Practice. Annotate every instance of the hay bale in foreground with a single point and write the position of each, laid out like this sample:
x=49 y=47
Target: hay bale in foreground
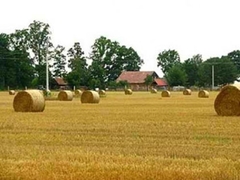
x=187 y=92
x=65 y=95
x=153 y=91
x=77 y=93
x=166 y=93
x=90 y=97
x=102 y=93
x=227 y=102
x=11 y=92
x=29 y=101
x=203 y=94
x=128 y=91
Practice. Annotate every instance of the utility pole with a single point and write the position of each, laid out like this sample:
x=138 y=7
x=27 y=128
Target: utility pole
x=47 y=73
x=212 y=77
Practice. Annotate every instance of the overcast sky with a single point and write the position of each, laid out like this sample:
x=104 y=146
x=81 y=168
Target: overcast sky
x=207 y=27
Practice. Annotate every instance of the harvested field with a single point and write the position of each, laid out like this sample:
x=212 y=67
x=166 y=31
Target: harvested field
x=142 y=136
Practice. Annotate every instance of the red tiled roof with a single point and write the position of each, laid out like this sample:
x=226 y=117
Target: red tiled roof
x=134 y=76
x=160 y=82
x=60 y=81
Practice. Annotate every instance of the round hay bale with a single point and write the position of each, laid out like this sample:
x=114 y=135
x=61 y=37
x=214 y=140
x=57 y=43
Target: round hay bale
x=11 y=92
x=90 y=97
x=166 y=93
x=102 y=93
x=154 y=91
x=187 y=92
x=203 y=94
x=29 y=101
x=128 y=91
x=77 y=93
x=65 y=95
x=227 y=102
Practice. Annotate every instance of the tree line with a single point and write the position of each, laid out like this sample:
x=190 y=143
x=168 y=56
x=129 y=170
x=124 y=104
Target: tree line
x=24 y=54
x=196 y=72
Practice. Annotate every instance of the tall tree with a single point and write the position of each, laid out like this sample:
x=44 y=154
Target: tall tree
x=109 y=59
x=23 y=64
x=59 y=62
x=102 y=55
x=191 y=67
x=224 y=71
x=167 y=59
x=78 y=64
x=39 y=41
x=5 y=55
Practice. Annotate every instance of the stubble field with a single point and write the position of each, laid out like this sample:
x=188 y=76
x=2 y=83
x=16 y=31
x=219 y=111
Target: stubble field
x=139 y=136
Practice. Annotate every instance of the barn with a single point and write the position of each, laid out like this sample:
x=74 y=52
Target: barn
x=136 y=79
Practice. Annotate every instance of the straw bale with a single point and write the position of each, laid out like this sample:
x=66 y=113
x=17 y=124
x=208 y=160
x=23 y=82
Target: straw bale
x=77 y=93
x=11 y=92
x=128 y=91
x=203 y=94
x=187 y=92
x=29 y=101
x=90 y=96
x=102 y=93
x=166 y=93
x=153 y=90
x=227 y=102
x=65 y=95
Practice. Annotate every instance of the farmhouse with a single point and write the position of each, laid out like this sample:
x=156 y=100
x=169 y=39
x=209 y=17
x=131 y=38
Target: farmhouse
x=59 y=83
x=136 y=80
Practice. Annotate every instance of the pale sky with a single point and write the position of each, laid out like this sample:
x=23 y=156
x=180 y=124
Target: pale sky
x=207 y=27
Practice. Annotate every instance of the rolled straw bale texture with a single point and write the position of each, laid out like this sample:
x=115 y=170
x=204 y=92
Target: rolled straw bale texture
x=77 y=93
x=128 y=91
x=90 y=97
x=154 y=91
x=187 y=92
x=203 y=94
x=65 y=95
x=102 y=93
x=227 y=102
x=166 y=93
x=29 y=101
x=11 y=92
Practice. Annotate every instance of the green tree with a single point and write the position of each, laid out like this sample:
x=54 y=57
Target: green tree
x=16 y=69
x=77 y=62
x=5 y=55
x=59 y=62
x=167 y=59
x=23 y=64
x=109 y=59
x=234 y=56
x=224 y=71
x=39 y=43
x=191 y=67
x=102 y=55
x=176 y=76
